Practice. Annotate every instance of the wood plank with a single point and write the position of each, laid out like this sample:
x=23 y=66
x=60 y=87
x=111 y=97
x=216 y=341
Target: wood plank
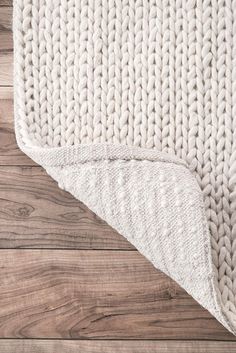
x=10 y=154
x=124 y=346
x=95 y=294
x=5 y=2
x=6 y=93
x=6 y=68
x=6 y=18
x=6 y=46
x=35 y=213
x=6 y=41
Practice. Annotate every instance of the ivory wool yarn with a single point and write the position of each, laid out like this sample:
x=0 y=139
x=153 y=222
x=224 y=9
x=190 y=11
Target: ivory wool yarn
x=131 y=106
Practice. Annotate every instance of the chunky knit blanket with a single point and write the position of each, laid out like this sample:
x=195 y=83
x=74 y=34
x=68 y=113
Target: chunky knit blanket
x=131 y=106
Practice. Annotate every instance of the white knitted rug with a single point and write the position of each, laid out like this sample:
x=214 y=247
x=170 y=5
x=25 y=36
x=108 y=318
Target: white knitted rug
x=131 y=106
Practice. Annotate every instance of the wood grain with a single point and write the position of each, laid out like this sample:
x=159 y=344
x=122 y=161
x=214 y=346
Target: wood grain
x=103 y=346
x=6 y=92
x=35 y=213
x=6 y=40
x=6 y=68
x=95 y=294
x=6 y=18
x=6 y=46
x=6 y=2
x=10 y=154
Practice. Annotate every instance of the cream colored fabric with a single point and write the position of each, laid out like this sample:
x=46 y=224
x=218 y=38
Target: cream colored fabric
x=131 y=106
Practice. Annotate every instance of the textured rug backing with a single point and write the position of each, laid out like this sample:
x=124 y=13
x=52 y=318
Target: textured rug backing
x=131 y=106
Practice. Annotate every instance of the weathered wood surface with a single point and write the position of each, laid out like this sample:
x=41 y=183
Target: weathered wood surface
x=6 y=45
x=6 y=92
x=6 y=40
x=6 y=18
x=35 y=213
x=6 y=2
x=6 y=68
x=95 y=294
x=10 y=154
x=102 y=346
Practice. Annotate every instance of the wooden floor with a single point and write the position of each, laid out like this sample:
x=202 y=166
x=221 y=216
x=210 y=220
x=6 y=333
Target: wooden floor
x=68 y=282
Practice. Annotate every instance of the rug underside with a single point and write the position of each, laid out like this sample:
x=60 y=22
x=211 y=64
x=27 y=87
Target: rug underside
x=131 y=107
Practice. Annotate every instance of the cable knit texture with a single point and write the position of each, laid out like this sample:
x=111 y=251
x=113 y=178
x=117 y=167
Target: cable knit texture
x=131 y=106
